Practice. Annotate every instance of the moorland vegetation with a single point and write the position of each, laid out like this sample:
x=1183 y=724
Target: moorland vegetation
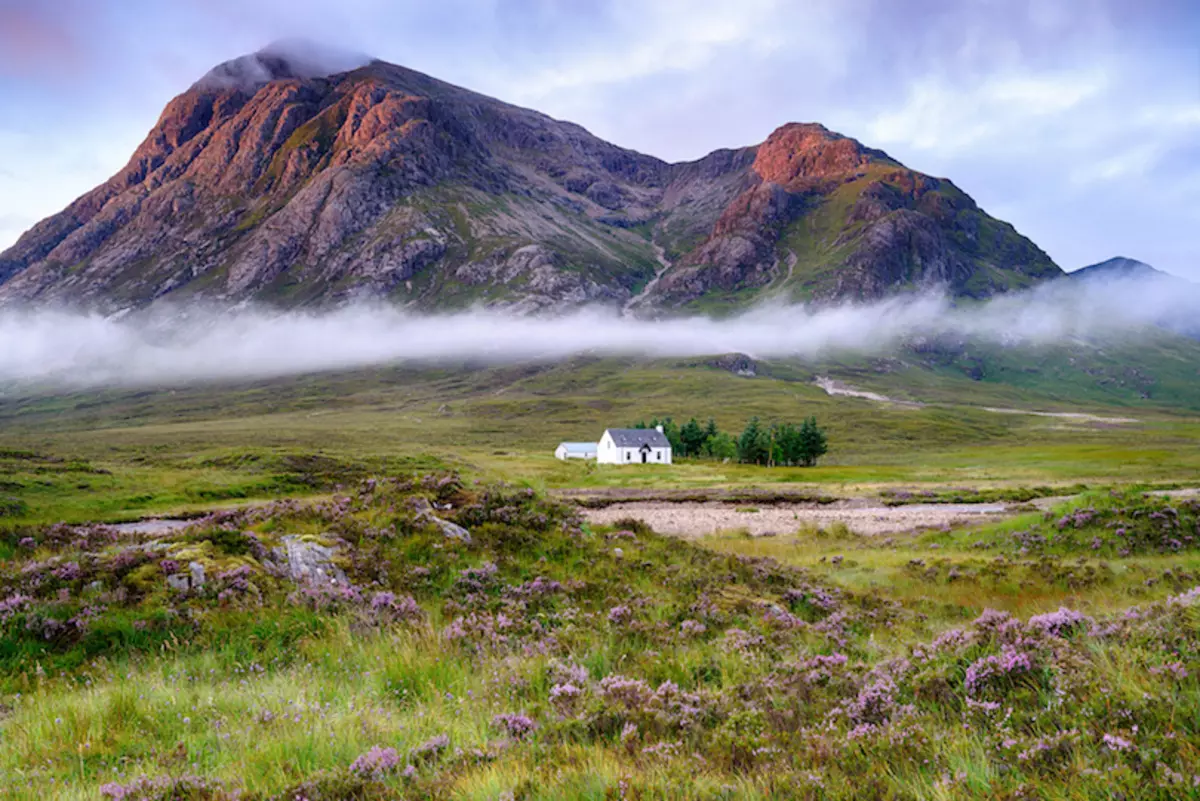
x=457 y=640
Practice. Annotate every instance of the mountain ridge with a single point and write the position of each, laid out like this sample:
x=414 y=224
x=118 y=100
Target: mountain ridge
x=268 y=181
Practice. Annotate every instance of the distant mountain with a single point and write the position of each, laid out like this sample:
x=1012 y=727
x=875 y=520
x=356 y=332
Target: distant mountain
x=1122 y=268
x=1176 y=301
x=272 y=179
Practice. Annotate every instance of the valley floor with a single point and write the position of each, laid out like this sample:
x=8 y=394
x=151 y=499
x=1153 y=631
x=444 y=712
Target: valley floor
x=956 y=604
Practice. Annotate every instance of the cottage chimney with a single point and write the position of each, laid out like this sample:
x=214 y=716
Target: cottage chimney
x=658 y=429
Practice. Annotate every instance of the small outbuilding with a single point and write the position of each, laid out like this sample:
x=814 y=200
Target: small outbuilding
x=634 y=446
x=575 y=450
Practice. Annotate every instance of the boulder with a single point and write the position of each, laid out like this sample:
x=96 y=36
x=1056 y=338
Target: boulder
x=424 y=513
x=308 y=562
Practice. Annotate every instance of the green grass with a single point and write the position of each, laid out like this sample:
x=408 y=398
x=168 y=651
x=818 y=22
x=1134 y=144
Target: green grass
x=115 y=454
x=808 y=666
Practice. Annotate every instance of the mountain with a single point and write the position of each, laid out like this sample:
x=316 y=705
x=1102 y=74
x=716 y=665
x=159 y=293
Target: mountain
x=276 y=180
x=1121 y=268
x=1174 y=302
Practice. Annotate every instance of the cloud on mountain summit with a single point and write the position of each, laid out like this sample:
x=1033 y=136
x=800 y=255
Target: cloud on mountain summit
x=1076 y=120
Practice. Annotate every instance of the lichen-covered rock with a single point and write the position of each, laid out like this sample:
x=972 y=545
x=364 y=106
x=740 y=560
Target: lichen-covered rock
x=424 y=512
x=307 y=562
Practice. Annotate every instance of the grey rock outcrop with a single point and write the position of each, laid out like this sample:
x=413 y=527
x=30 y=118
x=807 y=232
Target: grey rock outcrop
x=194 y=579
x=451 y=530
x=306 y=562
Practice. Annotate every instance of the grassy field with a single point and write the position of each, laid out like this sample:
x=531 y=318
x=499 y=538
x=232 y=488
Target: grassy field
x=543 y=659
x=1049 y=656
x=119 y=454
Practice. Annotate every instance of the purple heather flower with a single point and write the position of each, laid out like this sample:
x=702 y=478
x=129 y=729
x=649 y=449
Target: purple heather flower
x=67 y=572
x=1115 y=743
x=430 y=749
x=632 y=693
x=564 y=694
x=1060 y=623
x=376 y=763
x=1008 y=663
x=517 y=726
x=619 y=615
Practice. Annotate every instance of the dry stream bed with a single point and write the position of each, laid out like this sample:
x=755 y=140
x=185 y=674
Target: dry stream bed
x=701 y=519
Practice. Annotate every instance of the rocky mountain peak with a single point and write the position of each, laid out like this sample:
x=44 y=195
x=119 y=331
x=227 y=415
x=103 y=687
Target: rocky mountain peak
x=802 y=155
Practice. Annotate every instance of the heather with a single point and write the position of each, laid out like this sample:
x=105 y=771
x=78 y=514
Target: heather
x=1116 y=523
x=430 y=638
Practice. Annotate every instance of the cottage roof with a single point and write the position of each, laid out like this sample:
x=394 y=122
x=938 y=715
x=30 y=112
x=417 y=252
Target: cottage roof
x=584 y=447
x=637 y=437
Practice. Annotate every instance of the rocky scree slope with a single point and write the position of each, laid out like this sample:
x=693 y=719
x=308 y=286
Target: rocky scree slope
x=268 y=181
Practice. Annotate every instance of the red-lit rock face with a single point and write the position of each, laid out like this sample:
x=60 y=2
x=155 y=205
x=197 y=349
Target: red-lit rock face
x=799 y=156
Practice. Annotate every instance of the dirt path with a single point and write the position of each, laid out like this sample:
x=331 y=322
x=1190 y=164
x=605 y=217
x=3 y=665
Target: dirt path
x=1080 y=416
x=837 y=388
x=862 y=517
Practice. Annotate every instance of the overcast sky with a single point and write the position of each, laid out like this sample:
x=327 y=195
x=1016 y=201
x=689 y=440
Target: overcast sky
x=1076 y=120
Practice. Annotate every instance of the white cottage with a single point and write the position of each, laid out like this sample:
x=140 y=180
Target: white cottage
x=575 y=450
x=634 y=446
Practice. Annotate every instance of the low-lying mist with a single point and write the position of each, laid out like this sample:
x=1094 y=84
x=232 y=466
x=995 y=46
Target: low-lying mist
x=64 y=349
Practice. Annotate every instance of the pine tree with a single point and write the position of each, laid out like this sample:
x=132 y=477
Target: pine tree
x=691 y=438
x=754 y=446
x=788 y=445
x=813 y=443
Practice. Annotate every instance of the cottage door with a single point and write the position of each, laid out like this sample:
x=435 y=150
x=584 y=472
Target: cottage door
x=645 y=453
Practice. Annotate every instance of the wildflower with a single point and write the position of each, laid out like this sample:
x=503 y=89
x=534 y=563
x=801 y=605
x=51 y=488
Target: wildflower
x=631 y=693
x=1116 y=743
x=875 y=702
x=619 y=615
x=517 y=726
x=1175 y=669
x=13 y=604
x=144 y=788
x=386 y=605
x=1006 y=665
x=431 y=749
x=376 y=763
x=1060 y=623
x=67 y=572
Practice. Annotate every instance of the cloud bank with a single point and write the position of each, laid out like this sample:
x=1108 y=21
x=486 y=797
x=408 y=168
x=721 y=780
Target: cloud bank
x=63 y=349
